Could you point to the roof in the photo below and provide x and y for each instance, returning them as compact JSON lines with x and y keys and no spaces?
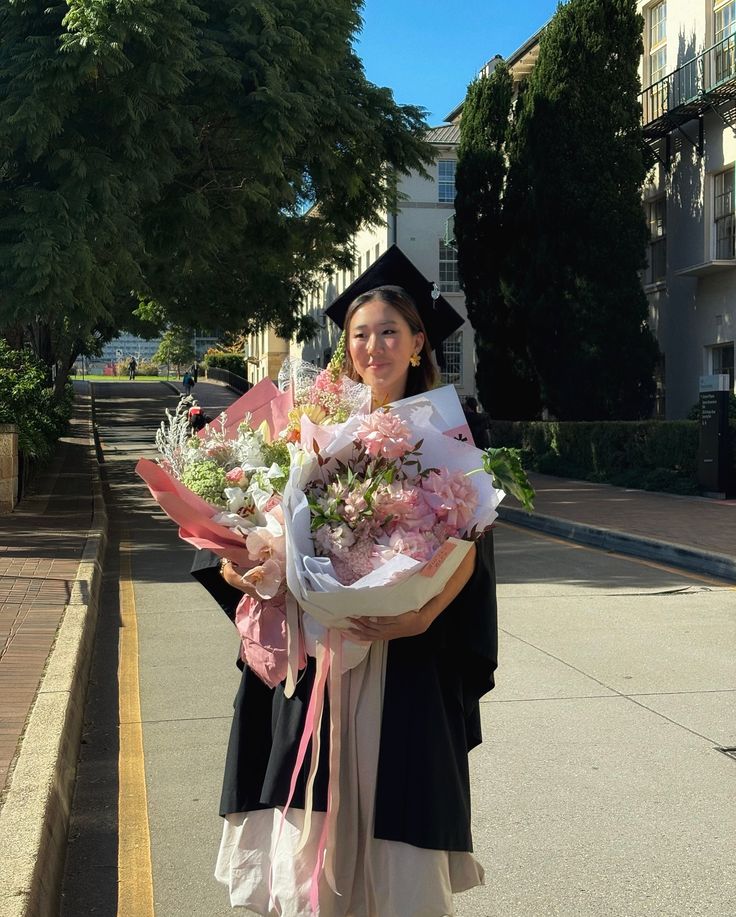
{"x":520,"y":63}
{"x":445,"y":133}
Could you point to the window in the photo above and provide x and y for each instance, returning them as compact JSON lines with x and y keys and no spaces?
{"x":657,"y":221}
{"x":724,"y":18}
{"x":378,"y":249}
{"x":452,"y":348}
{"x":723,"y":362}
{"x":446,"y":181}
{"x":660,"y":389}
{"x":449,"y":281}
{"x":360,"y":265}
{"x":724,"y":214}
{"x":658,"y":56}
{"x":367,"y":259}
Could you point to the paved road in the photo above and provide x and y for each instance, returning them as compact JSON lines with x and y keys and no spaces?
{"x":599,"y":789}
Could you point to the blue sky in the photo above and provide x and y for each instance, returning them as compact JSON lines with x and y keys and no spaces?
{"x":428,"y":51}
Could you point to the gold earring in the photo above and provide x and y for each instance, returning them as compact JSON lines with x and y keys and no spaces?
{"x":415,"y":359}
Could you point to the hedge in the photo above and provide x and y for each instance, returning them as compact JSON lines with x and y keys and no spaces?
{"x":217,"y":359}
{"x":27,"y":401}
{"x":650,"y":454}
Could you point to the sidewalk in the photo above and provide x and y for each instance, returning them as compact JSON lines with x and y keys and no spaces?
{"x":693,"y":533}
{"x":51,"y":550}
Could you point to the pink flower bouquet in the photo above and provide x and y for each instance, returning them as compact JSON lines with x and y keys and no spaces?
{"x":377,"y":511}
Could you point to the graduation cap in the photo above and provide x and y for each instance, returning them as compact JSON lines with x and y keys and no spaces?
{"x":393,"y":268}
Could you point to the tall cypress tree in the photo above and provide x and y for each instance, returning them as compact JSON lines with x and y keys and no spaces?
{"x":574,"y":191}
{"x":506,"y":386}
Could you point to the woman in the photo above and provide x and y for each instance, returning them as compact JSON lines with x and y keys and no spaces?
{"x":410,"y":715}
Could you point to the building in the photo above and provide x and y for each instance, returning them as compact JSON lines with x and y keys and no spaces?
{"x":419,"y":228}
{"x":688,"y":72}
{"x":129,"y":345}
{"x":265,"y":353}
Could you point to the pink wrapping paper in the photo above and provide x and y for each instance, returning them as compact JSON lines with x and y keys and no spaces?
{"x":192,"y":514}
{"x":263,"y":402}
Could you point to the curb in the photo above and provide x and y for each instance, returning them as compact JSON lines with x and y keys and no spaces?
{"x":720,"y":566}
{"x":34,"y":818}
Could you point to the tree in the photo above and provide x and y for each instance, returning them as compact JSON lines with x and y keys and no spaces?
{"x":172,"y":152}
{"x":574,"y":203}
{"x":175,"y":347}
{"x":505,"y":382}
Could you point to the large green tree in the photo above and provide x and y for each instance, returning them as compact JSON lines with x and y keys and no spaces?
{"x":206,"y":157}
{"x":574,"y":213}
{"x":506,"y":385}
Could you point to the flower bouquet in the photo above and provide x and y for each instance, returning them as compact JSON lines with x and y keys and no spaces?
{"x":378,"y":511}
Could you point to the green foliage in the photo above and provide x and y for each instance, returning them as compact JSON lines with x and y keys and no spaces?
{"x":207,"y":479}
{"x":504,"y":464}
{"x":27,"y":401}
{"x":506,"y":385}
{"x":175,"y":149}
{"x":574,"y":196}
{"x":550,"y":228}
{"x":175,"y":348}
{"x":642,"y":454}
{"x":218,"y":359}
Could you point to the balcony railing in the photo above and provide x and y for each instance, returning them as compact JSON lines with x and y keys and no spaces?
{"x":706,"y":79}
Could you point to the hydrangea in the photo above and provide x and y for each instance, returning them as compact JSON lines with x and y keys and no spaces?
{"x":207,"y":479}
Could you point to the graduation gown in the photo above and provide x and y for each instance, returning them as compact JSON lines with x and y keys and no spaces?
{"x":430,"y":721}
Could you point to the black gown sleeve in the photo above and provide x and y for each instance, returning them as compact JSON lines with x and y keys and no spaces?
{"x":206,"y":570}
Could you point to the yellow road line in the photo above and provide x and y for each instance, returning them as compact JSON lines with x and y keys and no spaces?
{"x":135,"y":879}
{"x":680,"y":571}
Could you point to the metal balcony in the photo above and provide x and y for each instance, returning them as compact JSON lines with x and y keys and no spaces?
{"x":699,"y":85}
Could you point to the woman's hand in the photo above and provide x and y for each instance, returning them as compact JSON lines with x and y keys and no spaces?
{"x":245,"y":583}
{"x":412,"y":623}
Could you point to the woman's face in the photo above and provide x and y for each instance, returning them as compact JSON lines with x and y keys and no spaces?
{"x":381,"y":342}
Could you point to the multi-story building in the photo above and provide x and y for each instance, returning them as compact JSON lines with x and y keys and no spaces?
{"x":129,"y":345}
{"x":420,"y":229}
{"x":688,"y":72}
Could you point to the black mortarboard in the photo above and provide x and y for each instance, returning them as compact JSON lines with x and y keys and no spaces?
{"x":393,"y":268}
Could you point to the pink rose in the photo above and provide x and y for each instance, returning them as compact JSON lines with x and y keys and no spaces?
{"x":235,"y":475}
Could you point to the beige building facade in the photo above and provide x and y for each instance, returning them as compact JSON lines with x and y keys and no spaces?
{"x":419,"y":228}
{"x":264,"y":354}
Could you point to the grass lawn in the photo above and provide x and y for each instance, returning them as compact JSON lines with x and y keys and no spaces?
{"x":98,"y":377}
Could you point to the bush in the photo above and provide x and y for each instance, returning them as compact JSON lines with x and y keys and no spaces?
{"x":147,"y":369}
{"x":650,"y":455}
{"x":27,"y":401}
{"x":219,"y":359}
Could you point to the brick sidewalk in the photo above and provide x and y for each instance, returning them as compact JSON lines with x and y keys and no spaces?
{"x":693,"y":522}
{"x":41,"y":544}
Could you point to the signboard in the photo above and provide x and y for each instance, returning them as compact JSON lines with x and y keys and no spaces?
{"x":715,"y":471}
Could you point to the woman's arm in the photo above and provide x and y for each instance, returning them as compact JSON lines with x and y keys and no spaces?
{"x":416,"y":622}
{"x":245,"y":583}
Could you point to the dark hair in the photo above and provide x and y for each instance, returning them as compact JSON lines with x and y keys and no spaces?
{"x":421,"y":378}
{"x":472,"y":403}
